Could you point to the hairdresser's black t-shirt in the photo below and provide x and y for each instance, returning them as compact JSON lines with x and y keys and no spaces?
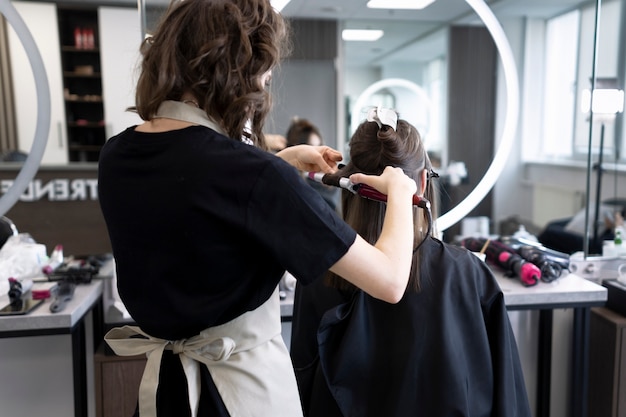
{"x":202,"y":227}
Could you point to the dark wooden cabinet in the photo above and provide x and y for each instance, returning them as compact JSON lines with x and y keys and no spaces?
{"x":82,"y":82}
{"x":607,"y":364}
{"x":117,"y":383}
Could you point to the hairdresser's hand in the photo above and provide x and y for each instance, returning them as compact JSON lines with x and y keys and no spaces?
{"x":393,"y":181}
{"x":312,"y":158}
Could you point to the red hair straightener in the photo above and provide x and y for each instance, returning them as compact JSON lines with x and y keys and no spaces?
{"x":360,"y":189}
{"x":370,"y":193}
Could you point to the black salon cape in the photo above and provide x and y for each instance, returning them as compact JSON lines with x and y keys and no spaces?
{"x":446,"y":351}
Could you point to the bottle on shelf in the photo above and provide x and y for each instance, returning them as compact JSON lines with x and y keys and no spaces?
{"x":616,"y":246}
{"x":78,"y":38}
{"x":620,"y":247}
{"x":88,"y":39}
{"x":84,"y":104}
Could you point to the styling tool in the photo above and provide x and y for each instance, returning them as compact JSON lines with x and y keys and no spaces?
{"x":370,"y":193}
{"x":44,"y":290}
{"x":361,"y":189}
{"x":506,"y":258}
{"x":19,"y":296}
{"x":55,"y":260}
{"x":64,"y":294}
{"x":17,"y":288}
{"x":551,"y":263}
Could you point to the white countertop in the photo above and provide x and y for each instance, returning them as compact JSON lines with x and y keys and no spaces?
{"x":85,"y":296}
{"x":286,"y":305}
{"x":569,"y":290}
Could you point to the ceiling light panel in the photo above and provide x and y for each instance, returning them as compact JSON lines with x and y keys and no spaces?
{"x":399,"y":4}
{"x":279,"y":4}
{"x":367,"y":35}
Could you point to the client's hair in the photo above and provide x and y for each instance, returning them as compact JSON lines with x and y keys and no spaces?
{"x":371,"y":150}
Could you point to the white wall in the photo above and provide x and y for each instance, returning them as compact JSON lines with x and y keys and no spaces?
{"x":299,"y":87}
{"x":512,"y":196}
{"x":41,"y":19}
{"x":120,"y":37}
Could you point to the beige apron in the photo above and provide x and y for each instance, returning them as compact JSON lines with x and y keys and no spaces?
{"x":246,"y":358}
{"x":180,"y":111}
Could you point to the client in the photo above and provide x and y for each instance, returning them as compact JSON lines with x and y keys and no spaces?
{"x":446,"y":349}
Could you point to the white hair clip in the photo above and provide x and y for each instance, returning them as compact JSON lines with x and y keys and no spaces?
{"x":383,"y":117}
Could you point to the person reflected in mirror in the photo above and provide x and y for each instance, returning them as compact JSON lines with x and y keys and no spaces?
{"x":275,"y":142}
{"x":203,"y":221}
{"x":304,"y":132}
{"x":446,"y":349}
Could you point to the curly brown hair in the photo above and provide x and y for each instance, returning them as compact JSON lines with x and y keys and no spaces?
{"x":217,"y":50}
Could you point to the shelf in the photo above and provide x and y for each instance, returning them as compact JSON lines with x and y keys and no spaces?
{"x":70,"y":74}
{"x":79,"y":50}
{"x":86,"y":148}
{"x":82,"y":82}
{"x":84,"y":100}
{"x":90,"y":125}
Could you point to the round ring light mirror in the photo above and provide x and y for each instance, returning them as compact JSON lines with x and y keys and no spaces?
{"x":509,"y":130}
{"x":31,"y":165}
{"x":411,"y":101}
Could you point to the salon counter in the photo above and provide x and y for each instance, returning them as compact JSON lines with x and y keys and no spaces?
{"x":286,"y":306}
{"x":573,"y":292}
{"x":41,"y":320}
{"x":567,"y":291}
{"x":114,"y":317}
{"x":46,"y":359}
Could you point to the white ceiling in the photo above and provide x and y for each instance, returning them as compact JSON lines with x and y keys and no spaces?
{"x":402,"y":27}
{"x":405,"y":27}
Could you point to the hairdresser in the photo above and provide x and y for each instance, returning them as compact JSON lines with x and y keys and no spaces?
{"x":203,"y":221}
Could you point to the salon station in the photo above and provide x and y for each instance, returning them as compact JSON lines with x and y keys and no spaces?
{"x":519,"y":102}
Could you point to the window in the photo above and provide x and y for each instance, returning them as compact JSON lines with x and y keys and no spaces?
{"x":607,"y":66}
{"x":555,"y":126}
{"x":560,"y":85}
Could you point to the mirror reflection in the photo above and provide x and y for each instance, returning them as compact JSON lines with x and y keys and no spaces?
{"x":438,"y":49}
{"x":442,"y":49}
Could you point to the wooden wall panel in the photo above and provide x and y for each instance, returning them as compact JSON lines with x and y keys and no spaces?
{"x":314,"y":39}
{"x":72,"y":219}
{"x":471,"y":111}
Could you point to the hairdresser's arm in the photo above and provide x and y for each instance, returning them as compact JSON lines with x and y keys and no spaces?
{"x":311,"y":158}
{"x":382,"y":270}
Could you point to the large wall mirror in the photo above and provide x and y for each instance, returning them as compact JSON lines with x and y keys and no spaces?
{"x":441,"y":55}
{"x":446,"y":52}
{"x":416,"y":76}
